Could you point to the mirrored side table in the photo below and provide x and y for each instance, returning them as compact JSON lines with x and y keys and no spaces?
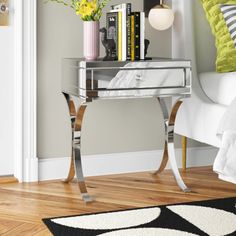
{"x":96,"y":80}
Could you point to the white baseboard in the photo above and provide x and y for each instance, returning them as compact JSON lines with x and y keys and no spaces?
{"x":30,"y":174}
{"x":117,"y":163}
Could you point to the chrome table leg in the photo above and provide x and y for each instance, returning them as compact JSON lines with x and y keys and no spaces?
{"x":71,"y":173}
{"x":165,"y":157}
{"x":76,"y":162}
{"x":72,"y":111}
{"x":169,"y":142}
{"x":80,"y":176}
{"x":163,"y":162}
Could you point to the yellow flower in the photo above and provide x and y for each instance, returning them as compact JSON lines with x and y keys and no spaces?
{"x":86,"y":7}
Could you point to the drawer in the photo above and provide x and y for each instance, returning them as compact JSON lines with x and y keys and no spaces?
{"x":124,"y":79}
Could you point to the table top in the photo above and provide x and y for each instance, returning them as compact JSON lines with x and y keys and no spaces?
{"x":125,"y":79}
{"x":82,"y":63}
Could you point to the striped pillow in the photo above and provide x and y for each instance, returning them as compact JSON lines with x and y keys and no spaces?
{"x":226,"y":50}
{"x":229,"y":13}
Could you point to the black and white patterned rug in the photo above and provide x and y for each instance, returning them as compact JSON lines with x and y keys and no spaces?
{"x":214,"y":218}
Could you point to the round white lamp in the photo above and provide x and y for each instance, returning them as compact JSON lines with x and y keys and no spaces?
{"x":161,"y":17}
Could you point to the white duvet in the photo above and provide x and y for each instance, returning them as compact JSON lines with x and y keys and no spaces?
{"x":225,"y":162}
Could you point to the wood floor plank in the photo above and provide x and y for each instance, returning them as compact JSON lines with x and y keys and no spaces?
{"x":8,"y":179}
{"x":7,"y":225}
{"x":27,"y":229}
{"x":22,"y":206}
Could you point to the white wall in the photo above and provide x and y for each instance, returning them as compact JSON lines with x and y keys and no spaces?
{"x":206,"y":50}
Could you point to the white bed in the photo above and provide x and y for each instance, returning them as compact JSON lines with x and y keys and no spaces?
{"x":199,"y":116}
{"x":213,"y":95}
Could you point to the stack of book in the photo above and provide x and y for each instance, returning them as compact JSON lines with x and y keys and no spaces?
{"x":127,"y":28}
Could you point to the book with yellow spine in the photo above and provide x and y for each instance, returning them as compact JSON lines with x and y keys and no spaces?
{"x":123,"y":8}
{"x":132,"y":38}
{"x":119,"y":36}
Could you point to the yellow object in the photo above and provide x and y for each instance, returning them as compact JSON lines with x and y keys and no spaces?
{"x":132,"y":39}
{"x":226,"y":51}
{"x":86,"y":8}
{"x":184,"y":152}
{"x":119,"y":36}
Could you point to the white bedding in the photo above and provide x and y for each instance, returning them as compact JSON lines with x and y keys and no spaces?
{"x":225,"y":162}
{"x":219,"y":87}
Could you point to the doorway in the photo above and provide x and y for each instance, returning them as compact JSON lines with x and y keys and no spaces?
{"x":7,"y":59}
{"x":18,"y":92}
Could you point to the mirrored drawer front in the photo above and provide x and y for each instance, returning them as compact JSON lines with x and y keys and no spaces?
{"x":111,"y":79}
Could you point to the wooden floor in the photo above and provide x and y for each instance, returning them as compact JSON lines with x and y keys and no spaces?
{"x":22,"y":206}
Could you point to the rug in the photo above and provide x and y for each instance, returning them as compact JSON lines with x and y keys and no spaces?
{"x":214,"y":217}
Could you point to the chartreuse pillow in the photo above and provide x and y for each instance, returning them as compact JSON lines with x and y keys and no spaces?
{"x":221,"y":15}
